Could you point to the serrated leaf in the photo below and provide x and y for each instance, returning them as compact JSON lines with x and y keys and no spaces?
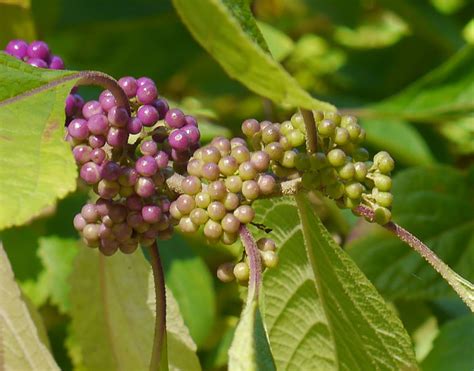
{"x":250,"y":349}
{"x":31,"y":138}
{"x":321,"y":312}
{"x":230,"y":39}
{"x":400,"y":139}
{"x":113,"y":315}
{"x":20,"y":344}
{"x":436,"y":205}
{"x":452,"y":348}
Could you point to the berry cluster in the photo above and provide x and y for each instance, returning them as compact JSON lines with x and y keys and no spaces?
{"x":340,"y":169}
{"x":36,"y":54}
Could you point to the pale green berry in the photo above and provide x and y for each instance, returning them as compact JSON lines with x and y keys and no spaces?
{"x":382,"y":215}
{"x":354,"y":190}
{"x":266,"y":244}
{"x":202,"y":200}
{"x":242,"y":272}
{"x":225,"y":272}
{"x":360,"y":154}
{"x":341,"y":136}
{"x":383,"y":182}
{"x":269,"y":259}
{"x":297,"y":120}
{"x":216,"y":210}
{"x":347,"y":171}
{"x":250,"y":189}
{"x":199,"y":216}
{"x":234,"y":183}
{"x":360,"y":171}
{"x":274,"y":150}
{"x":286,"y":127}
{"x":244,"y":213}
{"x":212,"y":230}
{"x":333,"y":116}
{"x":289,"y":158}
{"x":318,"y":160}
{"x":231,"y":201}
{"x":296,"y":138}
{"x":384,"y":162}
{"x":186,"y":225}
{"x":336,"y":157}
{"x":229,"y":238}
{"x":326,"y":128}
{"x":384,"y":199}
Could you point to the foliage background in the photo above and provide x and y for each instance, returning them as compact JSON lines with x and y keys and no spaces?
{"x":404,"y":66}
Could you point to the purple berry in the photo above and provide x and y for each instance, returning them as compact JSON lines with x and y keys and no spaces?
{"x":38,"y":49}
{"x":145,"y":81}
{"x":117,"y":137}
{"x":146,"y":94}
{"x":98,"y":156}
{"x":118,"y":116}
{"x":36,"y":62}
{"x":175,"y":118}
{"x":148,"y":115}
{"x":149,"y":147}
{"x":190,"y":120}
{"x":146,"y":166}
{"x":107,"y":100}
{"x":192,"y":132}
{"x":110,"y":170}
{"x":128,"y":176}
{"x":70,"y":105}
{"x":78,"y":129}
{"x":129,"y":86}
{"x":162,"y":107}
{"x":82,"y":153}
{"x":56,"y":63}
{"x":91,"y":108}
{"x":134,"y":125}
{"x":98,"y":124}
{"x":151,"y":214}
{"x":145,"y":187}
{"x":162,"y":159}
{"x":134,"y":203}
{"x":90,"y":172}
{"x":97,"y":141}
{"x":17,"y":48}
{"x":178,"y":140}
{"x":102,"y":206}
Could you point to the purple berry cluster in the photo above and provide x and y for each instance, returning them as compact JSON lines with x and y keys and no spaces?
{"x":36,"y":54}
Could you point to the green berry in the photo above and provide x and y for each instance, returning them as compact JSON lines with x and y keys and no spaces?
{"x":286,"y":127}
{"x":228,"y":165}
{"x":244,"y":213}
{"x":242,"y":272}
{"x":250,"y":127}
{"x":335,"y":190}
{"x":347,"y":171}
{"x":194,"y":167}
{"x":333,"y":116}
{"x":211,"y":154}
{"x":351,"y":203}
{"x":318,"y":160}
{"x":216,"y":210}
{"x":384,"y":199}
{"x":382,"y":215}
{"x":328,"y":176}
{"x":360,"y":154}
{"x":297,"y":120}
{"x":212,"y":230}
{"x":354,"y":190}
{"x":384,"y":162}
{"x":269,"y":259}
{"x":202,"y":200}
{"x":225,"y":272}
{"x":234,"y":183}
{"x":191,"y":185}
{"x":270,"y":133}
{"x":362,"y":136}
{"x":229,"y":238}
{"x":230,"y":223}
{"x":266,"y":244}
{"x":199,"y":216}
{"x":217,"y":190}
{"x":348,"y":120}
{"x":250,"y":189}
{"x":336,"y":157}
{"x":354,"y":130}
{"x":326,"y":128}
{"x":341,"y":136}
{"x":247,"y":171}
{"x":360,"y":171}
{"x":240,"y":153}
{"x":289,"y":158}
{"x":383,"y":182}
{"x":318,"y":116}
{"x":296,"y":138}
{"x":210,"y":171}
{"x":285,"y":143}
{"x":175,"y":213}
{"x":231,"y":201}
{"x":274,"y":150}
{"x":186,"y":225}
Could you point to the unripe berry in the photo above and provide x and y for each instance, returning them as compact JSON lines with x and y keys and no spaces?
{"x":202,"y":200}
{"x":286,"y":127}
{"x":382,"y":215}
{"x":360,"y":154}
{"x":234,"y":183}
{"x":230,"y":223}
{"x":216,"y":210}
{"x":199,"y":216}
{"x":108,"y":189}
{"x":89,"y":213}
{"x":318,"y":160}
{"x":212,"y":230}
{"x":91,"y":232}
{"x":186,"y":225}
{"x":384,"y":199}
{"x":348,"y":120}
{"x":274,"y":150}
{"x":195,"y":167}
{"x":269,"y":259}
{"x":250,"y":189}
{"x":326,"y":128}
{"x":333,"y":116}
{"x":240,"y":153}
{"x":191,"y":185}
{"x":244,"y":213}
{"x":266,"y":244}
{"x":231,"y":201}
{"x":247,"y":171}
{"x":260,"y":160}
{"x":174,"y":211}
{"x":382,"y":182}
{"x":228,"y":165}
{"x":210,"y":171}
{"x":225,"y":272}
{"x":384,"y":162}
{"x":354,"y":190}
{"x":360,"y":171}
{"x":266,"y":184}
{"x":336,"y":157}
{"x":185,"y":204}
{"x":270,"y":133}
{"x":341,"y":136}
{"x":210,"y":154}
{"x":335,"y":191}
{"x":354,"y":130}
{"x":296,"y":138}
{"x":242,"y":272}
{"x":250,"y":127}
{"x":328,"y":176}
{"x":297,"y":120}
{"x":289,"y":158}
{"x":222,"y":144}
{"x":217,"y":190}
{"x":229,"y":238}
{"x":347,"y":171}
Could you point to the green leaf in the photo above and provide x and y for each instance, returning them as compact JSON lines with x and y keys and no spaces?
{"x":400,"y":139}
{"x":250,"y":349}
{"x":228,"y":34}
{"x":436,"y":205}
{"x":445,"y":92}
{"x":191,"y":283}
{"x":57,"y":255}
{"x":20,"y":345}
{"x":321,"y":312}
{"x":31,"y":138}
{"x":112,"y":309}
{"x":453,"y":347}
{"x":279,"y":43}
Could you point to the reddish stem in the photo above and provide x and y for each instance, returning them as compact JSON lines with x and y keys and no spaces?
{"x":253,"y":254}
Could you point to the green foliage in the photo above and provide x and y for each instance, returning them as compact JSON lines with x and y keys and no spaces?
{"x":436,"y":205}
{"x":20,"y":345}
{"x":109,"y":332}
{"x":319,"y":306}
{"x":31,"y":118}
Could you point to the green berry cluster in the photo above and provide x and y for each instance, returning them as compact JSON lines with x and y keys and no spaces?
{"x":240,"y":271}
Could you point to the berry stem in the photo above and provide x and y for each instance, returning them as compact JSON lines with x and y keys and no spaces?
{"x":159,"y":354}
{"x":311,"y":133}
{"x":253,"y":254}
{"x":463,"y":287}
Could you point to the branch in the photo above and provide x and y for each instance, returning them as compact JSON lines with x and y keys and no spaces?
{"x":311,"y":133}
{"x":254,"y":262}
{"x":159,"y":351}
{"x":463,"y":287}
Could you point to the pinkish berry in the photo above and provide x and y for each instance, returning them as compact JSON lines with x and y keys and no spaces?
{"x":148,"y":115}
{"x":70,"y":105}
{"x":134,"y":203}
{"x":151,"y":214}
{"x":36,"y":62}
{"x":145,"y":187}
{"x":190,"y":120}
{"x":118,"y":116}
{"x":98,"y":124}
{"x":56,"y":63}
{"x":90,"y":172}
{"x":149,"y":147}
{"x":38,"y":49}
{"x":107,"y":100}
{"x":134,"y":125}
{"x":146,"y":166}
{"x":97,"y":141}
{"x":162,"y":159}
{"x":146,"y":94}
{"x":178,"y":140}
{"x":17,"y":48}
{"x":144,"y":81}
{"x":175,"y":118}
{"x":117,"y":137}
{"x":91,"y":108}
{"x":192,"y":132}
{"x":98,"y":156}
{"x":82,"y":153}
{"x":129,"y":86}
{"x":78,"y":129}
